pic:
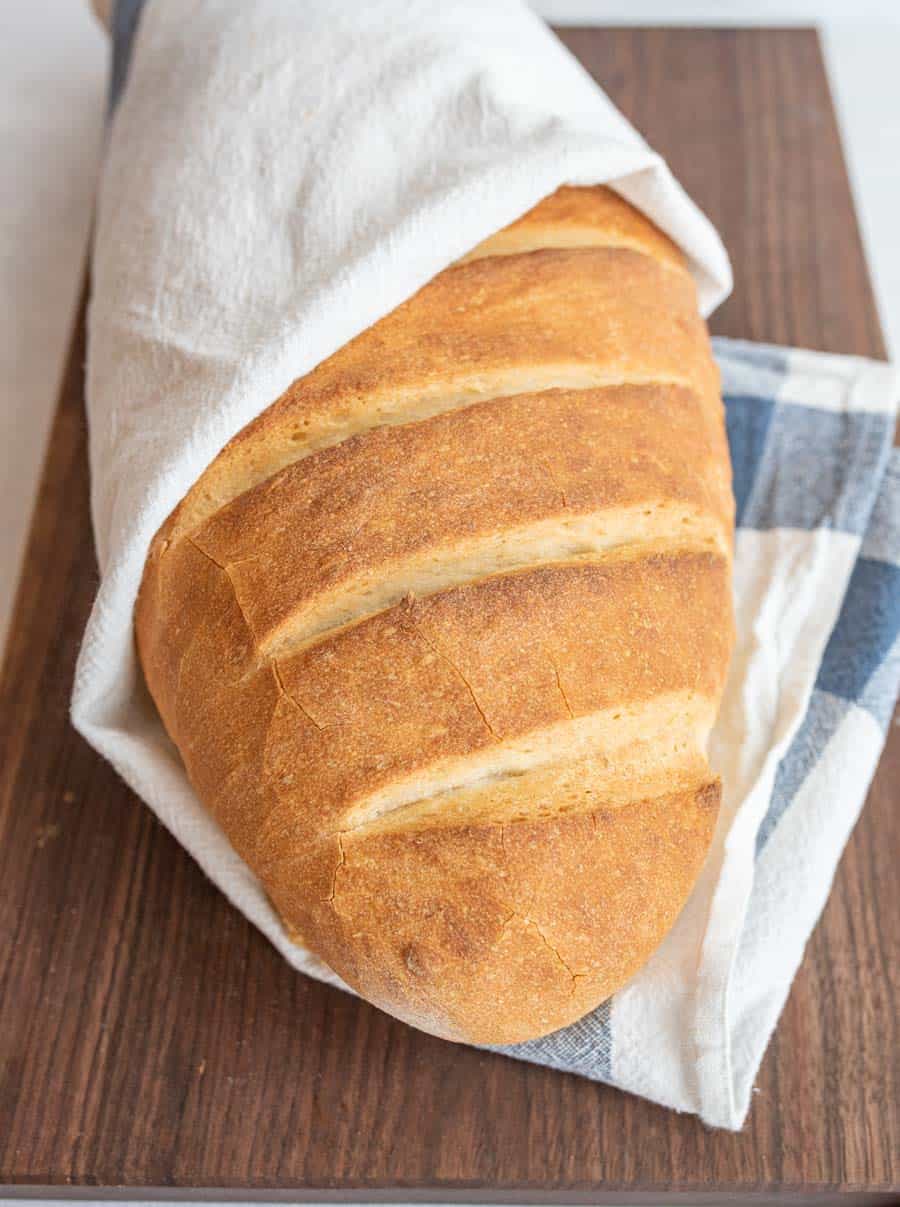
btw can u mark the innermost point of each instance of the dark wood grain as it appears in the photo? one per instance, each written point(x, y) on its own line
point(149, 1037)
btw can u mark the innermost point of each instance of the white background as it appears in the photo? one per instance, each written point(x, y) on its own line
point(53, 63)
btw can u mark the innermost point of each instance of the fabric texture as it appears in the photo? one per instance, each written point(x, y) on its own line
point(279, 176)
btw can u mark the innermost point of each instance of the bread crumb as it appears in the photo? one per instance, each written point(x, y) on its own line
point(46, 833)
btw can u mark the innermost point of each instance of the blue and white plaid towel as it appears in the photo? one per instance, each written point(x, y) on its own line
point(812, 690)
point(253, 217)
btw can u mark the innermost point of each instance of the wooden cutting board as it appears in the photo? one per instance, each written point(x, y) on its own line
point(149, 1037)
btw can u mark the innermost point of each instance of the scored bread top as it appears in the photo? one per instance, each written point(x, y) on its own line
point(441, 635)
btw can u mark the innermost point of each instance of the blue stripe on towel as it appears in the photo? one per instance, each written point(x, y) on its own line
point(882, 541)
point(861, 663)
point(865, 631)
point(747, 420)
point(584, 1047)
point(125, 17)
point(755, 369)
point(814, 469)
point(821, 722)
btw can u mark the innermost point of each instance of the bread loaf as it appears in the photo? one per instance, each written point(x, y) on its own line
point(441, 635)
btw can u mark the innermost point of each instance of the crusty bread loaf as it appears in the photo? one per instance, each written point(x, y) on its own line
point(441, 635)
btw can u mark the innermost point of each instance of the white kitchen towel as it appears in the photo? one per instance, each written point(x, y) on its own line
point(279, 176)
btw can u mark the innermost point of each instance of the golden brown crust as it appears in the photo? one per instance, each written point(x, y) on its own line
point(490, 487)
point(592, 217)
point(498, 326)
point(441, 635)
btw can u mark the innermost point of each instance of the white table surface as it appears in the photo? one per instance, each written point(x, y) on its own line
point(53, 62)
